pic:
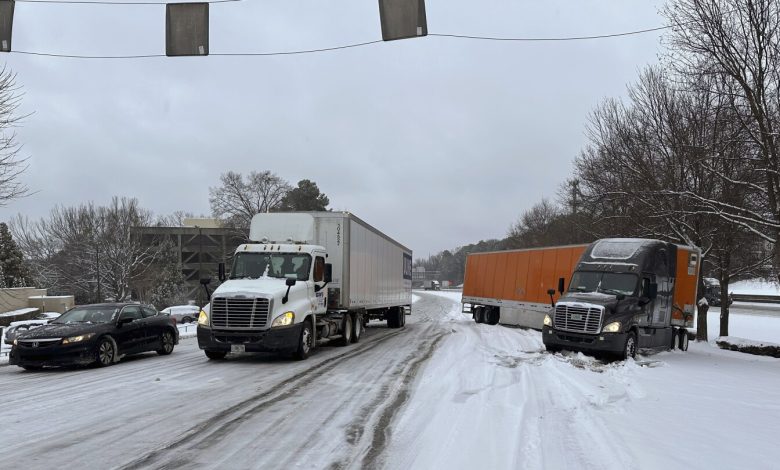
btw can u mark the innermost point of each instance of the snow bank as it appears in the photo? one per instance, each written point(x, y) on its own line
point(21, 311)
point(758, 348)
point(755, 287)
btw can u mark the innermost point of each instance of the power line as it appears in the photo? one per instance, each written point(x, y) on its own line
point(571, 38)
point(335, 48)
point(120, 2)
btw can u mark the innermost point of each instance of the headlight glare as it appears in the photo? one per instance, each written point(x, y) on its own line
point(77, 339)
point(547, 320)
point(203, 318)
point(285, 319)
point(613, 327)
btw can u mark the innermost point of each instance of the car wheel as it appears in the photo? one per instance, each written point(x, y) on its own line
point(629, 349)
point(106, 352)
point(346, 330)
point(305, 342)
point(186, 320)
point(166, 343)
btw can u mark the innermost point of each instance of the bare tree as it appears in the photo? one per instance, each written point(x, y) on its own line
point(11, 165)
point(735, 44)
point(237, 200)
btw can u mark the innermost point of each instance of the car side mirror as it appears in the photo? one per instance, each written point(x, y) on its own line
point(125, 321)
point(328, 273)
point(561, 285)
point(221, 271)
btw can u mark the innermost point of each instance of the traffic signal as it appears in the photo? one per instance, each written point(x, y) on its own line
point(6, 24)
point(402, 19)
point(186, 29)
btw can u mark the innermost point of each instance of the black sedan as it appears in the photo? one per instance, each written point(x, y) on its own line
point(95, 334)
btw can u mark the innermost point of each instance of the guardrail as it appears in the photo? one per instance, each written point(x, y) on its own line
point(764, 299)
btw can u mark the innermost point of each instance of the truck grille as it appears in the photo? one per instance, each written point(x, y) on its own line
point(579, 319)
point(239, 312)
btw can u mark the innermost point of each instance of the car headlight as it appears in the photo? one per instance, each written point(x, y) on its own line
point(613, 327)
point(77, 339)
point(203, 318)
point(284, 319)
point(547, 320)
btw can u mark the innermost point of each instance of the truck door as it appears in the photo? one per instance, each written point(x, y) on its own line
point(662, 307)
point(319, 294)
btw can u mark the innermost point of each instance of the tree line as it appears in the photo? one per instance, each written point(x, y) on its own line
point(95, 252)
point(690, 156)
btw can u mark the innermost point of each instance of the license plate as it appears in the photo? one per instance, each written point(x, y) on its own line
point(576, 316)
point(237, 348)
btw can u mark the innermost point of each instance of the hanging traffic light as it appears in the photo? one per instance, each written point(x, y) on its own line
point(6, 24)
point(186, 29)
point(402, 19)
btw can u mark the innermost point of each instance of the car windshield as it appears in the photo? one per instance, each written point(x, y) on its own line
point(95, 314)
point(278, 265)
point(608, 283)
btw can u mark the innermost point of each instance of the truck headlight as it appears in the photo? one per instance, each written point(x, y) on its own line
point(77, 339)
point(547, 320)
point(284, 319)
point(613, 327)
point(203, 318)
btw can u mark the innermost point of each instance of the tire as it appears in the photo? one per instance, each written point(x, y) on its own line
point(683, 339)
point(216, 355)
point(305, 342)
point(492, 316)
point(402, 316)
point(478, 315)
point(675, 339)
point(105, 354)
point(629, 349)
point(166, 343)
point(357, 328)
point(186, 320)
point(552, 349)
point(33, 368)
point(346, 330)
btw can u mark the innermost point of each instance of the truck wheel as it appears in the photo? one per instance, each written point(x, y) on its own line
point(629, 349)
point(305, 342)
point(492, 316)
point(683, 339)
point(346, 330)
point(401, 317)
point(675, 339)
point(357, 328)
point(478, 318)
point(216, 355)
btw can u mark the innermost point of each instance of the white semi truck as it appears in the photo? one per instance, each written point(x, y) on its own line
point(306, 279)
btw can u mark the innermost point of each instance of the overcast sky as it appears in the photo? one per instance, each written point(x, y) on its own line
point(437, 142)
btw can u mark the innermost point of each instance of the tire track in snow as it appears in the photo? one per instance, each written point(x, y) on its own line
point(213, 430)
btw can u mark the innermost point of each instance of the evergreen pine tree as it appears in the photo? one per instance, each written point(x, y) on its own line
point(14, 269)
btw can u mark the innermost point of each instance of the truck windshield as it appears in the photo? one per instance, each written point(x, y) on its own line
point(608, 283)
point(248, 265)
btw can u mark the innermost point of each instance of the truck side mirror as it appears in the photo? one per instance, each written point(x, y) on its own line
point(328, 273)
point(550, 291)
point(561, 285)
point(221, 270)
point(205, 283)
point(290, 282)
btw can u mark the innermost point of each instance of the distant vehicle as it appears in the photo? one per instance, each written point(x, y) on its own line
point(95, 334)
point(283, 296)
point(182, 313)
point(624, 294)
point(712, 292)
point(431, 285)
point(21, 326)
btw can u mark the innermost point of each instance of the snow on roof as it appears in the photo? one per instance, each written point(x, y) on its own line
point(21, 311)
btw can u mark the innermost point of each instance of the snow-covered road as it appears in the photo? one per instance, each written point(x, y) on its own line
point(443, 392)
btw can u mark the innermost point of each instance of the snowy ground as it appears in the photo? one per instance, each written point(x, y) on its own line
point(443, 392)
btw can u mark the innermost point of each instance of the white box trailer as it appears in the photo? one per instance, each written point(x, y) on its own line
point(306, 278)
